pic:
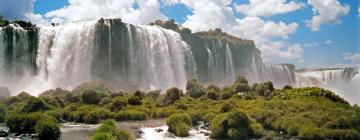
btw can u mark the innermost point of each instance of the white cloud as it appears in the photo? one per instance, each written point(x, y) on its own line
point(12, 9)
point(359, 11)
point(353, 57)
point(325, 12)
point(268, 7)
point(79, 10)
point(328, 42)
point(263, 32)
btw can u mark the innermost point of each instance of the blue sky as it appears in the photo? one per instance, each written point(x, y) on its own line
point(336, 42)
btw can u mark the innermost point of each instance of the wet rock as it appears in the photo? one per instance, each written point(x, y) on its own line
point(159, 130)
point(4, 133)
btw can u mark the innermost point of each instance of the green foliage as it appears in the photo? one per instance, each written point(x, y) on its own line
point(153, 94)
point(92, 97)
point(212, 94)
point(2, 113)
point(135, 100)
point(241, 80)
point(226, 107)
point(179, 124)
point(139, 94)
point(47, 129)
point(109, 131)
point(234, 125)
point(241, 88)
point(117, 104)
point(96, 86)
point(226, 93)
point(287, 87)
point(195, 89)
point(172, 95)
point(133, 115)
point(34, 104)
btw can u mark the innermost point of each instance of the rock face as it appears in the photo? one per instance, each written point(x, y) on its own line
point(129, 57)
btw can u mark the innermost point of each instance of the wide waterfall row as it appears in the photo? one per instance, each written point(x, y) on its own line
point(127, 57)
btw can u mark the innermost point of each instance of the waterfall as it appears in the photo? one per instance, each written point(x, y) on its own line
point(343, 81)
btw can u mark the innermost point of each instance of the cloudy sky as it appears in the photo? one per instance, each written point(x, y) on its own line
point(308, 33)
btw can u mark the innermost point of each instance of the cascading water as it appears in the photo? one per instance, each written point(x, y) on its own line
point(343, 81)
point(131, 57)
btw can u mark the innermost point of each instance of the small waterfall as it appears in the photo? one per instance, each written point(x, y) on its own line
point(229, 66)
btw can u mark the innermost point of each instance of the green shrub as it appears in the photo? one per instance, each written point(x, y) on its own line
point(130, 115)
point(179, 124)
point(287, 87)
point(2, 113)
point(241, 88)
point(209, 117)
point(34, 104)
point(195, 89)
point(105, 101)
point(117, 104)
point(139, 94)
point(22, 123)
point(219, 127)
point(135, 100)
point(212, 94)
point(226, 93)
point(172, 95)
point(109, 131)
point(153, 94)
point(241, 80)
point(234, 125)
point(92, 97)
point(225, 108)
point(47, 129)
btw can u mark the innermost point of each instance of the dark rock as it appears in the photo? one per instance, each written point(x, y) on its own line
point(159, 130)
point(139, 132)
point(3, 133)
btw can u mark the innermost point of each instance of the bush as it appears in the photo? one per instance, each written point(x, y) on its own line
point(179, 124)
point(135, 100)
point(209, 117)
point(212, 94)
point(109, 131)
point(226, 93)
point(105, 101)
point(195, 89)
point(287, 87)
point(234, 125)
point(139, 94)
point(2, 113)
point(153, 94)
point(21, 123)
point(225, 108)
point(92, 97)
point(117, 104)
point(130, 115)
point(47, 129)
point(34, 104)
point(241, 80)
point(172, 95)
point(241, 88)
point(213, 87)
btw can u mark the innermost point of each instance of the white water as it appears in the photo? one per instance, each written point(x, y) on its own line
point(151, 134)
point(343, 81)
point(142, 57)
